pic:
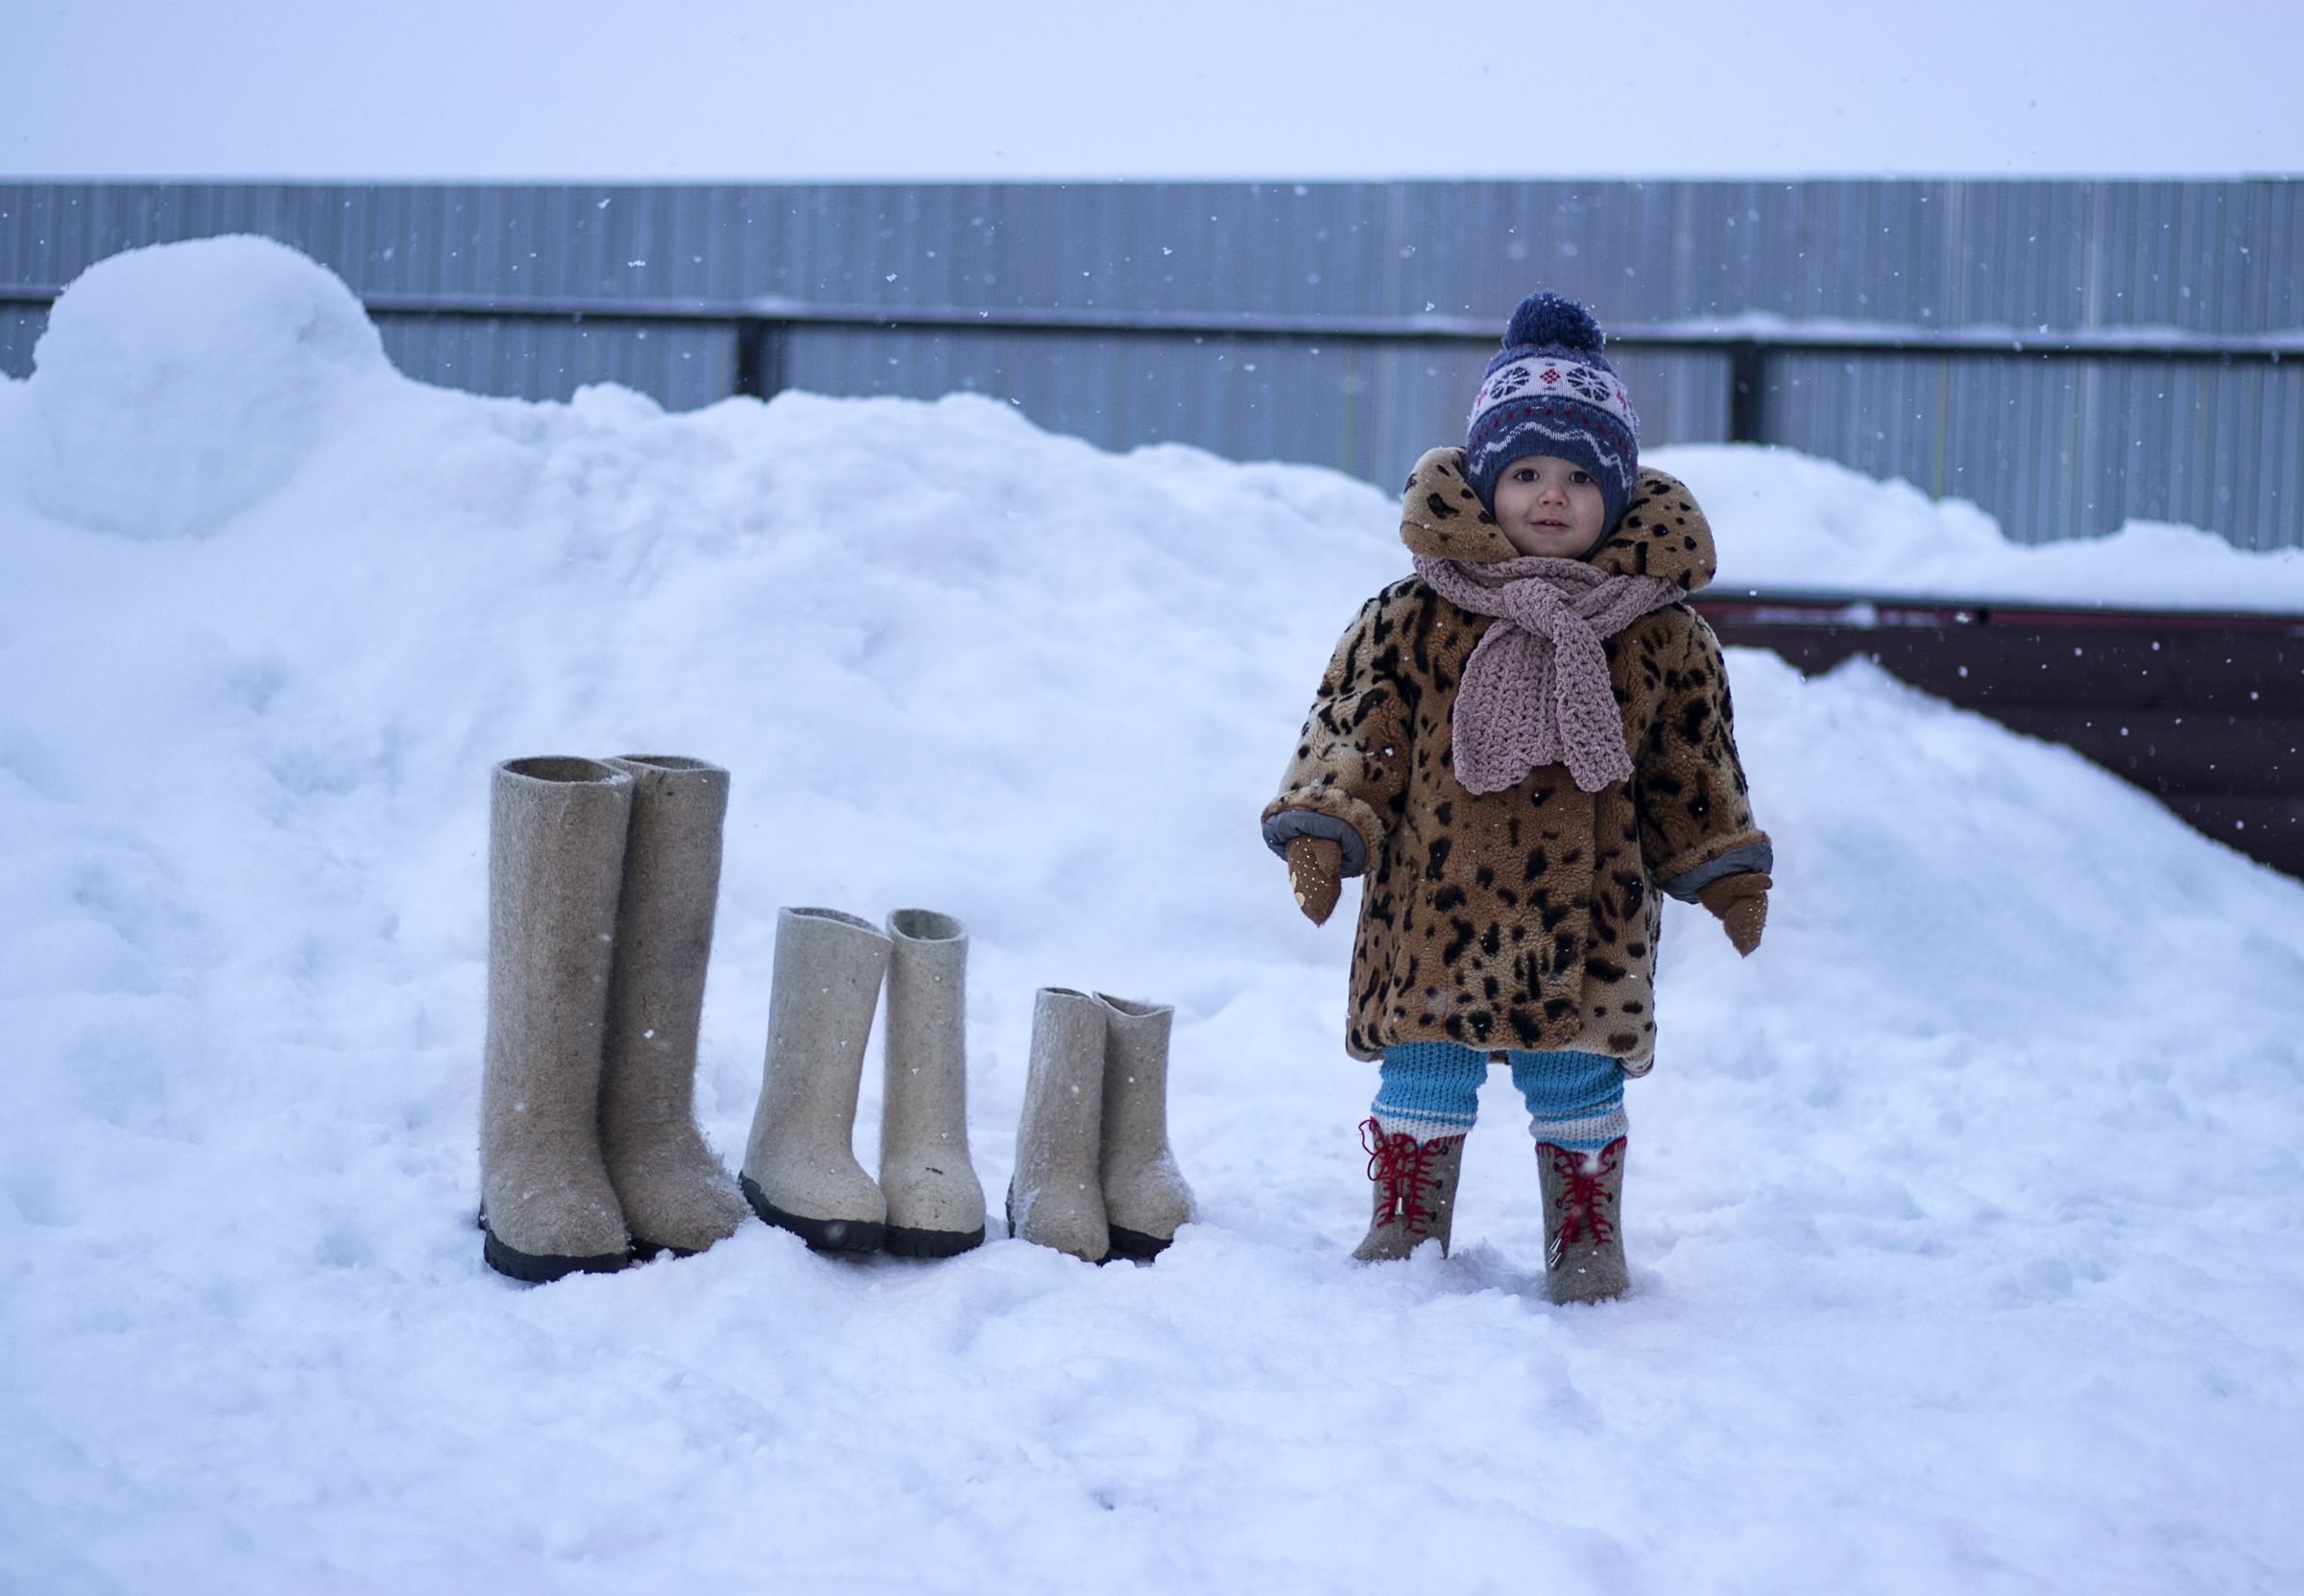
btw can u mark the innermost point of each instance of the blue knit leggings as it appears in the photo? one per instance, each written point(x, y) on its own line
point(1576, 1099)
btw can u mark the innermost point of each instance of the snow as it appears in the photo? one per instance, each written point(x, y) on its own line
point(179, 387)
point(1790, 524)
point(1960, 1217)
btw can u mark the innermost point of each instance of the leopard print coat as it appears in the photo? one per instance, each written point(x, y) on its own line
point(1525, 918)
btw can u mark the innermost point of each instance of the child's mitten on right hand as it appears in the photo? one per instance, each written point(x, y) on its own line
point(1740, 903)
point(1316, 870)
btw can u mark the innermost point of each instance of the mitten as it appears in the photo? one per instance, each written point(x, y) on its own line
point(1740, 902)
point(1316, 870)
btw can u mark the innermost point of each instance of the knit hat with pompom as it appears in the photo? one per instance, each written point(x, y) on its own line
point(1550, 391)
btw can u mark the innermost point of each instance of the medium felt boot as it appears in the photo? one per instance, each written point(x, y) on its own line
point(1584, 1248)
point(1057, 1197)
point(935, 1201)
point(555, 868)
point(1415, 1192)
point(1145, 1195)
point(675, 1193)
point(800, 1167)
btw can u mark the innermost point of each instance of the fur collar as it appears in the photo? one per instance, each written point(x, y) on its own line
point(1662, 534)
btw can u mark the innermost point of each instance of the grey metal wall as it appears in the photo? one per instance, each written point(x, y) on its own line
point(2054, 448)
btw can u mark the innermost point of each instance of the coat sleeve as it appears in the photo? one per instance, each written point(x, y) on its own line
point(1349, 771)
point(1695, 811)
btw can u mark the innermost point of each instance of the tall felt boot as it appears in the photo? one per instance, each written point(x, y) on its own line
point(1584, 1246)
point(935, 1201)
point(555, 866)
point(675, 1193)
point(800, 1168)
point(1415, 1191)
point(1145, 1197)
point(1057, 1197)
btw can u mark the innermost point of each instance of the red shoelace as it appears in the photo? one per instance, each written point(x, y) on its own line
point(1586, 1200)
point(1401, 1165)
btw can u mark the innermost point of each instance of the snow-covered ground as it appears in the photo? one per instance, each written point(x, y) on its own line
point(1964, 1217)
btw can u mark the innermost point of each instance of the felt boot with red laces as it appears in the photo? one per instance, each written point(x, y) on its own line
point(1584, 1248)
point(1415, 1191)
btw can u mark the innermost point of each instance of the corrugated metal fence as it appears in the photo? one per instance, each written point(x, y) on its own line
point(2068, 354)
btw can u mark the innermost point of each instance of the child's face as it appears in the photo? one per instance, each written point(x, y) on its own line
point(1549, 505)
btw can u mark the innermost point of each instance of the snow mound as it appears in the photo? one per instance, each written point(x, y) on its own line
point(1788, 524)
point(177, 385)
point(1960, 1216)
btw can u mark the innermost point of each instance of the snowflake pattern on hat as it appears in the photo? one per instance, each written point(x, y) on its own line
point(1589, 384)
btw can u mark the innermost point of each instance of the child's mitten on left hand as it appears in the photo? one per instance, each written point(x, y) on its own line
point(1741, 904)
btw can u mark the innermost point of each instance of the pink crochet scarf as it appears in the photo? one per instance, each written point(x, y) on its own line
point(1536, 690)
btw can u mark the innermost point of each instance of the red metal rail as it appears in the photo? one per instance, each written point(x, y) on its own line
point(2204, 709)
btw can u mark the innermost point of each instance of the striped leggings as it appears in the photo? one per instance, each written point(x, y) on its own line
point(1432, 1090)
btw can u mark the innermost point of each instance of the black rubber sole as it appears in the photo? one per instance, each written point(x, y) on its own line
point(822, 1235)
point(648, 1251)
point(538, 1269)
point(931, 1244)
point(1137, 1247)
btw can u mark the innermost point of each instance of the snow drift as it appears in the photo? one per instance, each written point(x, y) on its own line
point(1962, 1217)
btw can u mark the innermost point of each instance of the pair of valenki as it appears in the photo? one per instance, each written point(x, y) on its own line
point(603, 882)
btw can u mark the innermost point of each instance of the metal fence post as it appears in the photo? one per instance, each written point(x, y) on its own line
point(1747, 391)
point(763, 361)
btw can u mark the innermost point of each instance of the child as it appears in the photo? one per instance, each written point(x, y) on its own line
point(1516, 747)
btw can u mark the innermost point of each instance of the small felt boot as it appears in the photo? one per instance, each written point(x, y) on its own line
point(1145, 1197)
point(1584, 1246)
point(1057, 1196)
point(675, 1195)
point(935, 1201)
point(555, 868)
point(800, 1164)
point(1415, 1191)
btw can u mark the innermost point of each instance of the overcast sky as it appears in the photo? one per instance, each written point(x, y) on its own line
point(1159, 89)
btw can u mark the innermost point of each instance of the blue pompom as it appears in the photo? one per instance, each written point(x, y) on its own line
point(1548, 318)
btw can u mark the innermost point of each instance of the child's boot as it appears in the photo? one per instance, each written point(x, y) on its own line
point(1415, 1197)
point(799, 1166)
point(675, 1193)
point(1145, 1197)
point(1584, 1244)
point(1057, 1197)
point(555, 865)
point(935, 1201)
